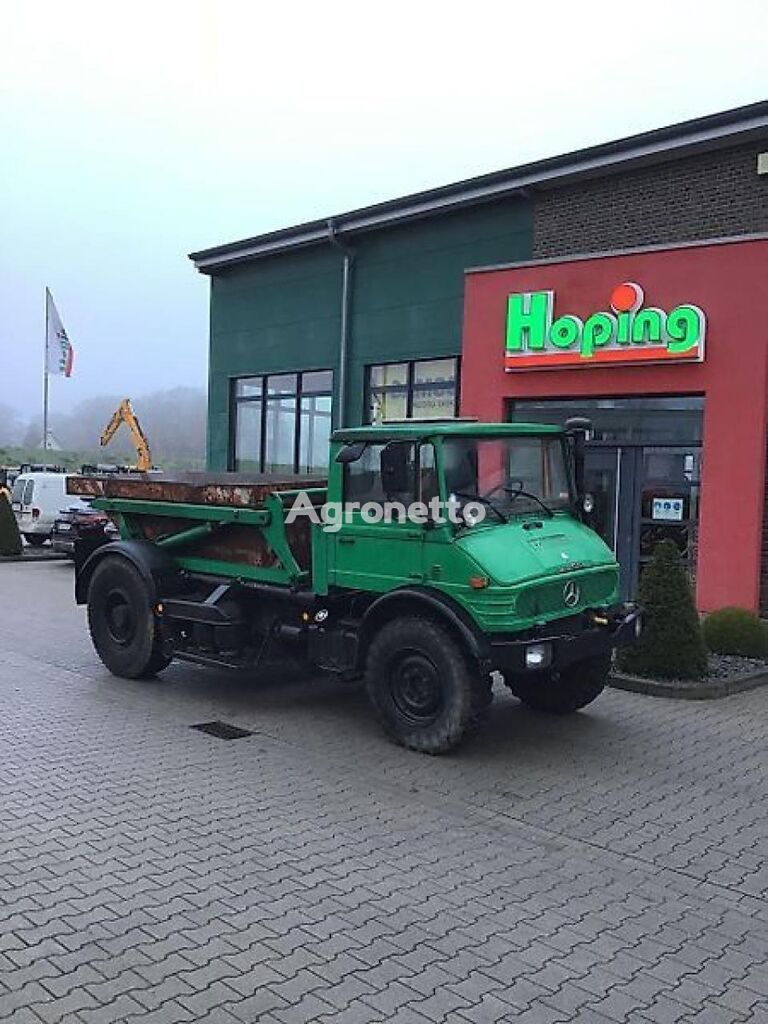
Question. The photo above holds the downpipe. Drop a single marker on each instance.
(347, 270)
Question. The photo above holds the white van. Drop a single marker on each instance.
(37, 499)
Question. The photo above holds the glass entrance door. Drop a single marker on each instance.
(609, 474)
(644, 494)
(669, 501)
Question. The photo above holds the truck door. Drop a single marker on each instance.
(377, 547)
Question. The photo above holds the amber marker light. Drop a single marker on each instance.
(478, 582)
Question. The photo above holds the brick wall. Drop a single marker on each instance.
(707, 195)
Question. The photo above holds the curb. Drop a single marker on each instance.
(43, 556)
(680, 690)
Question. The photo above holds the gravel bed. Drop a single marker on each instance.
(721, 667)
(724, 666)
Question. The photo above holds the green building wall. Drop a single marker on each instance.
(282, 313)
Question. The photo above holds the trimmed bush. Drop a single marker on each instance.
(10, 538)
(672, 645)
(736, 631)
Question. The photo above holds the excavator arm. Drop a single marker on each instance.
(124, 414)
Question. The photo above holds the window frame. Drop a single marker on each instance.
(262, 395)
(410, 388)
(416, 481)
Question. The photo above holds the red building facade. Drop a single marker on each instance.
(688, 323)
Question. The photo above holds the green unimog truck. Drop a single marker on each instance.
(434, 555)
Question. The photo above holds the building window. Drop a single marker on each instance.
(425, 389)
(282, 422)
(674, 419)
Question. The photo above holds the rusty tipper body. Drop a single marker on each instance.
(424, 606)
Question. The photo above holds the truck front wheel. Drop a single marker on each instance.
(424, 688)
(122, 624)
(560, 693)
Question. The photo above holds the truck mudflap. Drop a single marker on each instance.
(603, 631)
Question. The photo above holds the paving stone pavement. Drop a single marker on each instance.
(608, 867)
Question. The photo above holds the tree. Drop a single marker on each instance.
(672, 643)
(10, 428)
(173, 419)
(10, 538)
(733, 630)
(34, 434)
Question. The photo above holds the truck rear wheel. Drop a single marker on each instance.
(424, 688)
(122, 624)
(560, 693)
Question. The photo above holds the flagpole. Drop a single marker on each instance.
(45, 379)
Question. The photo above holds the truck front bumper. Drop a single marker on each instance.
(598, 633)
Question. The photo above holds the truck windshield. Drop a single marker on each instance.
(515, 475)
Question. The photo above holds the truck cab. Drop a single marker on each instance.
(502, 504)
(499, 530)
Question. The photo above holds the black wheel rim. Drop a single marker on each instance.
(415, 688)
(119, 618)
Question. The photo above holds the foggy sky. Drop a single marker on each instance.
(131, 137)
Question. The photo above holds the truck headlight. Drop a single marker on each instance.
(538, 656)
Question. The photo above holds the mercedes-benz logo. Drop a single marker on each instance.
(571, 594)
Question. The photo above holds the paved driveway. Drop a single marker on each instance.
(610, 867)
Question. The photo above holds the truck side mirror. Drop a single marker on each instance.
(350, 452)
(396, 467)
(578, 428)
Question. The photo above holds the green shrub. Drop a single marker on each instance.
(10, 539)
(736, 631)
(672, 643)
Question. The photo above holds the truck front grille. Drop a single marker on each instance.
(549, 598)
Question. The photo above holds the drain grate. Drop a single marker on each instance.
(222, 731)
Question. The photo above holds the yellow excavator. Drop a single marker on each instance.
(124, 414)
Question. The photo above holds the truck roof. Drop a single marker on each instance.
(442, 428)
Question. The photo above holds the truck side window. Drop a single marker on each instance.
(461, 466)
(364, 480)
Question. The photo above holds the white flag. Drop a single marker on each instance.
(60, 355)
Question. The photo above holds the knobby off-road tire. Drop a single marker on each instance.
(123, 626)
(425, 690)
(564, 692)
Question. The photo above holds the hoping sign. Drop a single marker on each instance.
(628, 333)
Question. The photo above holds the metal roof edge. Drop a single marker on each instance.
(711, 131)
(548, 261)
